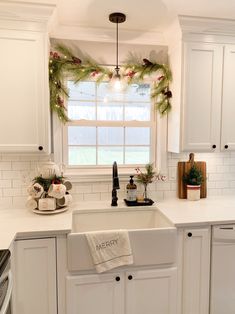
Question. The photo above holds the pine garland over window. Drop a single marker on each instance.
(63, 63)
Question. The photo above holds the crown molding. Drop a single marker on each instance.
(59, 31)
(25, 15)
(207, 26)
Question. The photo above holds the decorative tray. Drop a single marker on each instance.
(50, 212)
(146, 202)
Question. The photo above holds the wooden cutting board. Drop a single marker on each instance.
(184, 167)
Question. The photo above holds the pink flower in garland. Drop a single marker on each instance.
(161, 77)
(94, 73)
(130, 74)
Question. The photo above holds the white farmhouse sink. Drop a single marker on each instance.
(152, 236)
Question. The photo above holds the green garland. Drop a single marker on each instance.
(63, 63)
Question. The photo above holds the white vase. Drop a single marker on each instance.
(193, 192)
(49, 169)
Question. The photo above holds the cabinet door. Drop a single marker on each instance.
(95, 294)
(196, 271)
(35, 277)
(151, 291)
(24, 122)
(228, 100)
(202, 85)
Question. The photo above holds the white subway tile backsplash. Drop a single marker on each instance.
(92, 197)
(100, 188)
(222, 184)
(6, 202)
(170, 194)
(223, 169)
(228, 192)
(216, 177)
(211, 184)
(229, 161)
(12, 192)
(24, 165)
(163, 186)
(17, 172)
(5, 165)
(78, 197)
(106, 197)
(19, 202)
(10, 157)
(172, 173)
(11, 174)
(214, 192)
(5, 183)
(82, 188)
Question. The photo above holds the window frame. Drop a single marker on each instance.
(98, 173)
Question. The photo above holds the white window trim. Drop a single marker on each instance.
(103, 174)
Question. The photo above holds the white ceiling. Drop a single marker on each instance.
(146, 20)
(150, 15)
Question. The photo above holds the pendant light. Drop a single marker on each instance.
(116, 82)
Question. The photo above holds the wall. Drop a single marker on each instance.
(16, 172)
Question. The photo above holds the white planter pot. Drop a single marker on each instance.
(193, 192)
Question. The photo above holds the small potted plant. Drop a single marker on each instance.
(147, 177)
(193, 180)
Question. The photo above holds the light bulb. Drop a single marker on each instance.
(117, 84)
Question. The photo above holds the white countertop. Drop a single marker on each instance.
(20, 223)
(207, 211)
(16, 223)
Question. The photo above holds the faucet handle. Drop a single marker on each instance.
(116, 183)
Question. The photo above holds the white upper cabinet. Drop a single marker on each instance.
(228, 100)
(201, 96)
(24, 88)
(203, 66)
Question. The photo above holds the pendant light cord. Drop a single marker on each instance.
(117, 67)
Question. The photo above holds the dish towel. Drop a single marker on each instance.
(109, 249)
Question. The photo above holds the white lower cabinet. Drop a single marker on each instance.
(151, 291)
(196, 271)
(133, 292)
(95, 294)
(35, 277)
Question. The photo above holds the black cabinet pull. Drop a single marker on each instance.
(117, 278)
(226, 146)
(214, 146)
(189, 234)
(40, 147)
(130, 277)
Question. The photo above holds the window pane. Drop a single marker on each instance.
(81, 110)
(109, 111)
(81, 156)
(138, 92)
(136, 155)
(80, 135)
(110, 135)
(137, 111)
(107, 155)
(106, 94)
(81, 90)
(137, 136)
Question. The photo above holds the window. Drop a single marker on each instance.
(107, 126)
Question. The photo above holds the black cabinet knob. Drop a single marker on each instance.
(117, 278)
(190, 234)
(214, 146)
(130, 277)
(226, 146)
(40, 147)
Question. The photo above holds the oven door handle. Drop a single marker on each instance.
(7, 299)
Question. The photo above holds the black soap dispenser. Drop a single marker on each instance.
(131, 190)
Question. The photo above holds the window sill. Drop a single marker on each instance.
(97, 175)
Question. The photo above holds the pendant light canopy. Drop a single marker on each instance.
(117, 18)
